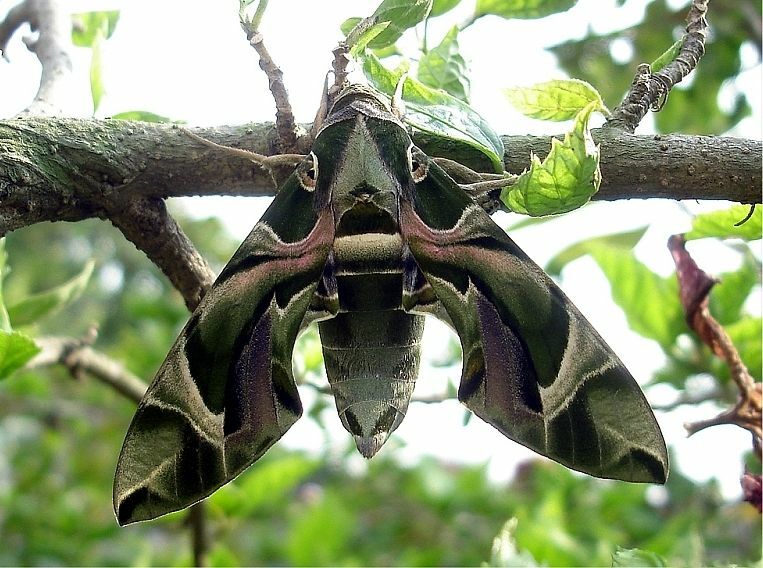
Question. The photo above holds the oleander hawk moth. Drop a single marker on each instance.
(366, 237)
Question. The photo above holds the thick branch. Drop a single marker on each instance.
(51, 47)
(68, 170)
(147, 224)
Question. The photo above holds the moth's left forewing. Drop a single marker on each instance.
(225, 393)
(533, 366)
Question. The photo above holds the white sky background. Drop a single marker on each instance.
(189, 60)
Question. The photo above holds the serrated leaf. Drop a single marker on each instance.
(437, 112)
(650, 302)
(400, 15)
(15, 350)
(522, 9)
(85, 26)
(668, 56)
(439, 7)
(34, 307)
(625, 241)
(142, 115)
(555, 100)
(722, 224)
(636, 557)
(444, 68)
(565, 180)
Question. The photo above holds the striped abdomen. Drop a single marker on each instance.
(371, 347)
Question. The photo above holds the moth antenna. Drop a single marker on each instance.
(480, 187)
(267, 162)
(398, 106)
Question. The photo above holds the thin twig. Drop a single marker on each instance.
(650, 90)
(51, 46)
(695, 286)
(197, 522)
(684, 399)
(286, 126)
(79, 358)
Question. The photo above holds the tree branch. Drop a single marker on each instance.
(286, 127)
(694, 287)
(69, 170)
(147, 224)
(51, 47)
(650, 89)
(78, 357)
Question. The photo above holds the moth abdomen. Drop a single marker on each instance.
(372, 360)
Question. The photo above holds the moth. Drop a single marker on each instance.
(368, 236)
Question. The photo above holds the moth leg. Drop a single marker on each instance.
(483, 188)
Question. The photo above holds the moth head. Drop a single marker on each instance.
(307, 172)
(418, 163)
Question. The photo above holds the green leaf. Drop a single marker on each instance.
(142, 115)
(636, 557)
(555, 100)
(347, 26)
(96, 76)
(650, 302)
(15, 350)
(400, 15)
(32, 308)
(91, 29)
(668, 56)
(625, 241)
(87, 25)
(444, 68)
(439, 7)
(359, 38)
(745, 334)
(522, 9)
(437, 112)
(728, 297)
(565, 180)
(723, 224)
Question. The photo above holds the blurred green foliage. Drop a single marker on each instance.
(59, 437)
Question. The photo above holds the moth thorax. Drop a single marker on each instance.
(372, 360)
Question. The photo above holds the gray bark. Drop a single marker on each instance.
(55, 169)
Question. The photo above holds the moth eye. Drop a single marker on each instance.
(307, 173)
(418, 164)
